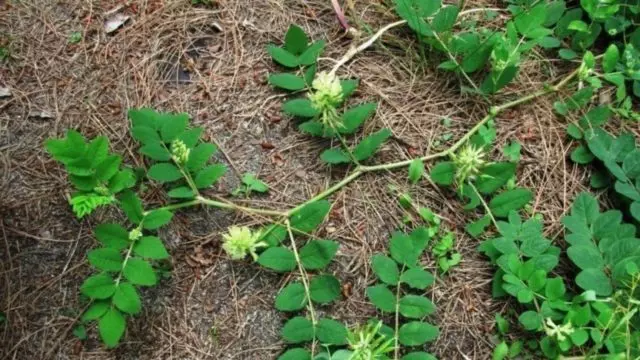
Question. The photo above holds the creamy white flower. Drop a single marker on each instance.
(241, 241)
(560, 332)
(328, 91)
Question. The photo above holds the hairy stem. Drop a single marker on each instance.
(484, 204)
(396, 347)
(305, 283)
(493, 112)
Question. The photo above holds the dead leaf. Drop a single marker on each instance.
(115, 22)
(42, 114)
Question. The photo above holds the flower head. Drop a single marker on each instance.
(84, 204)
(135, 234)
(327, 95)
(367, 343)
(241, 241)
(469, 161)
(179, 152)
(560, 332)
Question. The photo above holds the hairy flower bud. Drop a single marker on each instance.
(241, 241)
(135, 234)
(179, 152)
(469, 162)
(327, 95)
(560, 332)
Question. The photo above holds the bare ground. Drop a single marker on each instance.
(211, 63)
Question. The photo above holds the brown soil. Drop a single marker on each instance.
(211, 63)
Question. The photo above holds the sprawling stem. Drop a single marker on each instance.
(484, 204)
(305, 282)
(359, 170)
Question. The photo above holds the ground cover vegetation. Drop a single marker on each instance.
(587, 311)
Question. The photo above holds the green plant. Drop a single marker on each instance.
(591, 320)
(178, 160)
(75, 37)
(403, 272)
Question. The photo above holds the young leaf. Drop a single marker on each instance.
(282, 56)
(164, 172)
(254, 184)
(445, 18)
(112, 236)
(181, 192)
(596, 280)
(417, 278)
(385, 268)
(478, 227)
(416, 307)
(155, 151)
(287, 81)
(107, 259)
(416, 170)
(145, 135)
(417, 333)
(132, 206)
(96, 310)
(353, 118)
(419, 355)
(100, 286)
(173, 126)
(278, 258)
(190, 137)
(610, 59)
(199, 156)
(108, 167)
(403, 250)
(317, 254)
(331, 332)
(510, 200)
(349, 86)
(382, 298)
(126, 298)
(310, 216)
(156, 219)
(300, 107)
(274, 234)
(111, 327)
(335, 156)
(139, 272)
(144, 117)
(291, 298)
(530, 320)
(324, 289)
(311, 54)
(298, 329)
(296, 354)
(150, 247)
(209, 175)
(295, 41)
(443, 173)
(494, 176)
(369, 145)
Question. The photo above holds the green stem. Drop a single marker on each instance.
(396, 350)
(359, 170)
(484, 204)
(232, 206)
(305, 283)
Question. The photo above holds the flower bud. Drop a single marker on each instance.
(179, 152)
